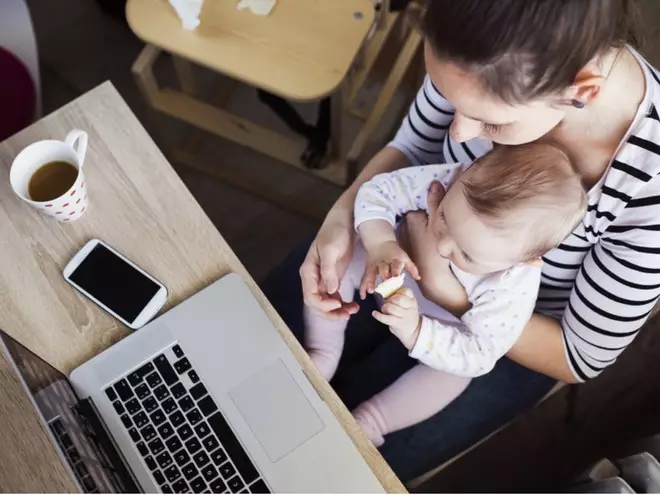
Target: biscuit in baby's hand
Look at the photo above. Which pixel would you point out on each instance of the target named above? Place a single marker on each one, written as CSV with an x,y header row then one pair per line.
x,y
388,287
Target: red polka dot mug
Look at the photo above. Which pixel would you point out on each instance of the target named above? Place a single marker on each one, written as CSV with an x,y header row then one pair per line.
x,y
71,203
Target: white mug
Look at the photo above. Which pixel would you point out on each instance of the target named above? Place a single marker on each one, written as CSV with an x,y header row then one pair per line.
x,y
73,203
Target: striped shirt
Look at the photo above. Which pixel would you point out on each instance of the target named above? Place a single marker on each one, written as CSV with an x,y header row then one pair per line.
x,y
603,281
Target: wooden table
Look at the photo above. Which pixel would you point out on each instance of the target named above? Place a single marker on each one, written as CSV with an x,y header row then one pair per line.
x,y
139,205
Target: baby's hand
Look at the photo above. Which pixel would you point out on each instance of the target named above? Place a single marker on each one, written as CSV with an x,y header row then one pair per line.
x,y
401,313
388,259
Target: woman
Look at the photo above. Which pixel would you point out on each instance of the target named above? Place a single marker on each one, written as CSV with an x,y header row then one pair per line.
x,y
512,72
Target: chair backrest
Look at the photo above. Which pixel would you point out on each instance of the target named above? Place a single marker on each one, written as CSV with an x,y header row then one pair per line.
x,y
17,37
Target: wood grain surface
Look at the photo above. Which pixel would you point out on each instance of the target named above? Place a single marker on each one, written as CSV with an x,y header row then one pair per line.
x,y
139,206
302,50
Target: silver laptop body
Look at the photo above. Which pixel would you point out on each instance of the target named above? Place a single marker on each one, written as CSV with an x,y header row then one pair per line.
x,y
249,383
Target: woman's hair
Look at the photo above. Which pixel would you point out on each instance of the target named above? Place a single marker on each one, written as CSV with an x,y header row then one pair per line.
x,y
530,188
525,49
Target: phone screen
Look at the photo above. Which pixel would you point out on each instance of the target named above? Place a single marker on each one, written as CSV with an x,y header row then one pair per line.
x,y
114,282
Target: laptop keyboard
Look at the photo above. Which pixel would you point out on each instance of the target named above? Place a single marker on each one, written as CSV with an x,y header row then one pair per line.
x,y
178,430
73,456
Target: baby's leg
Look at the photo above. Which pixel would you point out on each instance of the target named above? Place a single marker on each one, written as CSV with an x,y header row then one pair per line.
x,y
414,397
324,339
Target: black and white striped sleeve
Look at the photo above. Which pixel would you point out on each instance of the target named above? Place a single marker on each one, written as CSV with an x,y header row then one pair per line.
x,y
616,288
423,130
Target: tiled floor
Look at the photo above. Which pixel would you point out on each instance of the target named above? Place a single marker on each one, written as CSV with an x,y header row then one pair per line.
x,y
80,47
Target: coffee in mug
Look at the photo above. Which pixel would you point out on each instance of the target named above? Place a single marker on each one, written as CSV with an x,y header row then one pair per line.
x,y
52,180
48,175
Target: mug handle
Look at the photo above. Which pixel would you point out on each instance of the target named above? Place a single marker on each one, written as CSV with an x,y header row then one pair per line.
x,y
77,140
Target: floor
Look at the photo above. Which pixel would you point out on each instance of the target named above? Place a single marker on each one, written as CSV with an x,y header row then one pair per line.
x,y
80,47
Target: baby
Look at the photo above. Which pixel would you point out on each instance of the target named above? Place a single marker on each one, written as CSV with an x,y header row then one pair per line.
x,y
498,217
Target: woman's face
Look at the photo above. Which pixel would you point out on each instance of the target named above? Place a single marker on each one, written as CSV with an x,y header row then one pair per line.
x,y
479,114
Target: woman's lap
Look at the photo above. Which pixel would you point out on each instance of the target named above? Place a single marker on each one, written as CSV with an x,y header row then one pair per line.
x,y
373,359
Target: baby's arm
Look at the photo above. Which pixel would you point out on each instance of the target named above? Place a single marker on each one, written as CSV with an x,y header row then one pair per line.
x,y
485,333
387,196
378,203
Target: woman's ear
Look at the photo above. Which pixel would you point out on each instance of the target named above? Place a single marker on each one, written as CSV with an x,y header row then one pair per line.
x,y
585,89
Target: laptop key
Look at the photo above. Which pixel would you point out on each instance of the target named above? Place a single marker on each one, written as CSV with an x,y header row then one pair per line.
x,y
194,417
202,430
166,431
198,485
194,377
201,459
168,405
150,462
193,445
157,417
210,443
173,444
182,457
182,365
235,484
164,459
207,406
138,375
133,406
180,486
140,419
142,391
165,369
178,352
156,446
124,391
218,486
148,432
218,457
198,391
185,432
189,471
178,390
172,473
149,404
227,470
161,392
177,419
186,403
209,472
127,421
119,408
154,380
259,487
142,448
166,488
135,435
110,392
158,476
233,447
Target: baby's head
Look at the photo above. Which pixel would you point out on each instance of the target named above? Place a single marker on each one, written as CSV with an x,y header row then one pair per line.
x,y
512,206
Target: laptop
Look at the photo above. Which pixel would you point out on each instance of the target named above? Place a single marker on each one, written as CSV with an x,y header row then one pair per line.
x,y
207,398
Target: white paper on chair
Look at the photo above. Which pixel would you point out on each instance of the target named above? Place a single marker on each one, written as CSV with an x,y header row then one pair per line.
x,y
188,11
258,7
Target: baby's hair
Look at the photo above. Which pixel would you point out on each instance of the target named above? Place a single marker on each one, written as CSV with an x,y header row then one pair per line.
x,y
532,187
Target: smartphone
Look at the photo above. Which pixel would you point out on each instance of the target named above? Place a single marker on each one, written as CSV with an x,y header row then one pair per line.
x,y
116,284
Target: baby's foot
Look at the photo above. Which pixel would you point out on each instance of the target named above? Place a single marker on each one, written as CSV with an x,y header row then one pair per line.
x,y
369,423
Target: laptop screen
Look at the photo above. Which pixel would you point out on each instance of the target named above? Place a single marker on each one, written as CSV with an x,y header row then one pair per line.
x,y
75,425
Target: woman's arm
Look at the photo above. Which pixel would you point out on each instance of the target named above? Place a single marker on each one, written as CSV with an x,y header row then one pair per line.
x,y
541,349
419,140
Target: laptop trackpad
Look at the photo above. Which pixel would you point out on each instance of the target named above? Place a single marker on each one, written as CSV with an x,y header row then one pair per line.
x,y
276,410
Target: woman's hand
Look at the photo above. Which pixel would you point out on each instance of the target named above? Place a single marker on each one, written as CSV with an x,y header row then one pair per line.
x,y
438,283
325,266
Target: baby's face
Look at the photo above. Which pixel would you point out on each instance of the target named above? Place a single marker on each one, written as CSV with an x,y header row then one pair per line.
x,y
472,245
